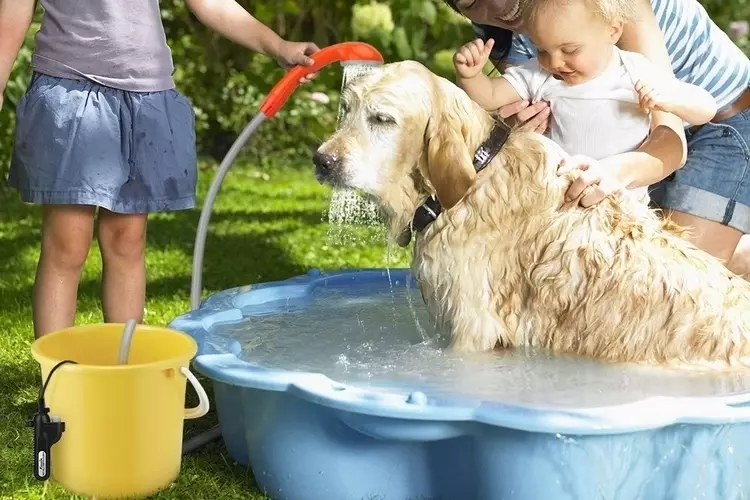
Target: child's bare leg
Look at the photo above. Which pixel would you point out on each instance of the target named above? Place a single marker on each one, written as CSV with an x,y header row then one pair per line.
x,y
66,238
122,239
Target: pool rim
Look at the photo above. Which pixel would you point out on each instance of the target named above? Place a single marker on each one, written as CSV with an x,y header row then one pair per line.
x,y
228,368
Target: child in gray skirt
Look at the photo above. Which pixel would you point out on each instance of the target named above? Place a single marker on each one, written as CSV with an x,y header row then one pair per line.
x,y
101,126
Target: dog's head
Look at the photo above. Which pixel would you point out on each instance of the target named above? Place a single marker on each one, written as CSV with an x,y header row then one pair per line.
x,y
405,134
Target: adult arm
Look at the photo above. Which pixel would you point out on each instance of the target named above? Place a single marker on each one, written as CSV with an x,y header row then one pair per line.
x,y
15,20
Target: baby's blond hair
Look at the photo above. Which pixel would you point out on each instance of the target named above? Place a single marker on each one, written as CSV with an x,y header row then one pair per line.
x,y
608,10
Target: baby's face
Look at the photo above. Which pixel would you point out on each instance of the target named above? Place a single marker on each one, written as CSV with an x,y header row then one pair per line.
x,y
572,42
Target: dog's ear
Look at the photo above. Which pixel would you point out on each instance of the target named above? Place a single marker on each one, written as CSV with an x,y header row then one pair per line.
x,y
449,161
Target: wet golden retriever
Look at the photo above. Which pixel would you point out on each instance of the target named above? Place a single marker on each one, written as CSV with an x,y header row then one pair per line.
x,y
509,262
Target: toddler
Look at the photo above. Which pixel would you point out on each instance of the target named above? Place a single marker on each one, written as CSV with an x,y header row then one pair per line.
x,y
599,95
102,129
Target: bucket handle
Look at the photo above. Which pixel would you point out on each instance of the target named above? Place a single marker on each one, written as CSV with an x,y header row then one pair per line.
x,y
203,404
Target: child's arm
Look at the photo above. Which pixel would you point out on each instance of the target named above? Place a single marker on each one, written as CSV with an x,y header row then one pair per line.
x,y
231,20
15,20
689,102
490,93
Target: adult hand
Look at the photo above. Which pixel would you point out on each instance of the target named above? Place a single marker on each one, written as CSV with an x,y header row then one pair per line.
x,y
1,101
290,54
534,117
596,180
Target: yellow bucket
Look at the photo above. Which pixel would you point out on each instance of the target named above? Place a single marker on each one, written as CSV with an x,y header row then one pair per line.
x,y
123,422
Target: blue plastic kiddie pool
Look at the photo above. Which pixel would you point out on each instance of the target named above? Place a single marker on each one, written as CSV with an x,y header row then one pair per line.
x,y
337,387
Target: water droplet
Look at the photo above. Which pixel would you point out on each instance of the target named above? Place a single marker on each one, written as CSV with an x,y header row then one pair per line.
x,y
417,398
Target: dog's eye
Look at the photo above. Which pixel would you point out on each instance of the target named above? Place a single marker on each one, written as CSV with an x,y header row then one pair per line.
x,y
382,119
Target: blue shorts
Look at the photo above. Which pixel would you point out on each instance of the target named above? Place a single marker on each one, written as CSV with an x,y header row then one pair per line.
x,y
714,184
78,142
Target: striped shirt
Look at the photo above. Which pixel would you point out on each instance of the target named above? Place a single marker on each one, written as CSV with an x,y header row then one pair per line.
x,y
700,52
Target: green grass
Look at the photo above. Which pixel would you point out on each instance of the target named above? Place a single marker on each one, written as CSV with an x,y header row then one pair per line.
x,y
266,225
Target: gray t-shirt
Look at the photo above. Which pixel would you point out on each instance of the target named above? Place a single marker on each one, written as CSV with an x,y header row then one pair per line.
x,y
117,43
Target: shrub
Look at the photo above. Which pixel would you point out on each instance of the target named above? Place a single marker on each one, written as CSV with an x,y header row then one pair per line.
x,y
227,83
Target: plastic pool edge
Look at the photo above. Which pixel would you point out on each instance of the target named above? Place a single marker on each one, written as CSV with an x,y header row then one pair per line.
x,y
226,367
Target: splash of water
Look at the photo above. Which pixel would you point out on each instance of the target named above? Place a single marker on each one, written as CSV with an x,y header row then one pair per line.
x,y
390,280
353,218
413,310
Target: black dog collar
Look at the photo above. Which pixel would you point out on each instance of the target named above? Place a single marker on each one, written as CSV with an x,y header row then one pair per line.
x,y
429,211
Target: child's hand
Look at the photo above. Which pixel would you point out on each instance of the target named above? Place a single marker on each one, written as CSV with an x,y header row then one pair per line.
x,y
290,54
655,94
471,58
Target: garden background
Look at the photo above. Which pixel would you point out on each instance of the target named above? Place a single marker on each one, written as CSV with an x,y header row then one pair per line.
x,y
269,221
226,83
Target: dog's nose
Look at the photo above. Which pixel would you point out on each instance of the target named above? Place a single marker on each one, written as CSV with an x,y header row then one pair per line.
x,y
324,161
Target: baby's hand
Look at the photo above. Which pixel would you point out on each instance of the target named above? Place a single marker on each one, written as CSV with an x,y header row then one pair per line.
x,y
655,95
471,58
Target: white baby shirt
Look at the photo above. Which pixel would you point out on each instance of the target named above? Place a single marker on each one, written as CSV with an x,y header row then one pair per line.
x,y
598,118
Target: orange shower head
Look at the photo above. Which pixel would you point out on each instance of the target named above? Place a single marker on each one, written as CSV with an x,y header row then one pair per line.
x,y
346,52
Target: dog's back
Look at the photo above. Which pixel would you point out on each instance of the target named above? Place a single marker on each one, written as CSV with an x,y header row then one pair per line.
x,y
623,285
512,264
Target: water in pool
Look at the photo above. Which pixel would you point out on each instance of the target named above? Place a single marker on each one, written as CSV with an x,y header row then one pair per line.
x,y
385,339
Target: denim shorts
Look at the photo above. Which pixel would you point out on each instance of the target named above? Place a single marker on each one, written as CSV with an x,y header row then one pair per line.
x,y
714,183
78,142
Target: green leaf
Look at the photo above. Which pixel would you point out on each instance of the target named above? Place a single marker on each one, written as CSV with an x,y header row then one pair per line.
x,y
417,39
401,43
429,12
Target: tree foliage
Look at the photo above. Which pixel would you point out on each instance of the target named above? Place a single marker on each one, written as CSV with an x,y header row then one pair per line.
x,y
227,83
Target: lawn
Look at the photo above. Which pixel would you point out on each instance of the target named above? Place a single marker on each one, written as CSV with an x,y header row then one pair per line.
x,y
267,224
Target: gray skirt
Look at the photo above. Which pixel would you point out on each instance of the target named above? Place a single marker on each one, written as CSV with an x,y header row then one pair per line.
x,y
78,142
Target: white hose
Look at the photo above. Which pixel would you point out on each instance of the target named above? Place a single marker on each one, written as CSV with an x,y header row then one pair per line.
x,y
127,339
200,245
200,237
351,70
